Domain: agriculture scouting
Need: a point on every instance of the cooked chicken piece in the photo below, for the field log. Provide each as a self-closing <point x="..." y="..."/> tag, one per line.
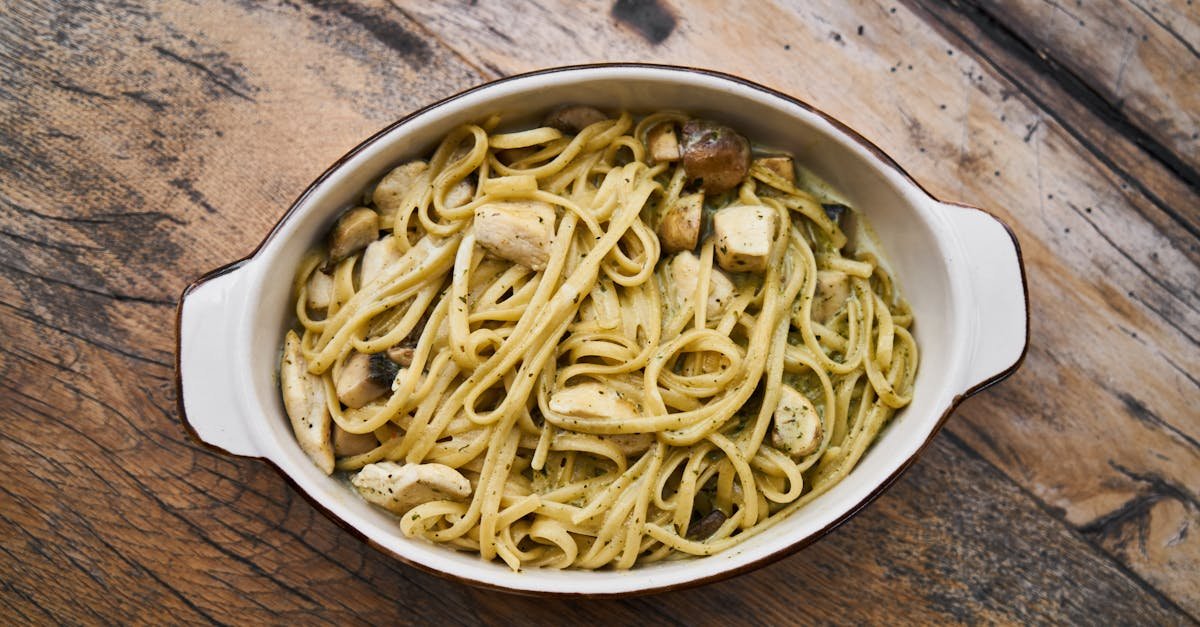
<point x="797" y="428"/>
<point x="304" y="400"/>
<point x="379" y="255"/>
<point x="462" y="193"/>
<point x="392" y="189"/>
<point x="714" y="155"/>
<point x="346" y="444"/>
<point x="833" y="290"/>
<point x="399" y="488"/>
<point x="780" y="165"/>
<point x="663" y="143"/>
<point x="365" y="378"/>
<point x="680" y="226"/>
<point x="574" y="118"/>
<point x="685" y="274"/>
<point x="744" y="237"/>
<point x="353" y="232"/>
<point x="320" y="292"/>
<point x="591" y="400"/>
<point x="521" y="231"/>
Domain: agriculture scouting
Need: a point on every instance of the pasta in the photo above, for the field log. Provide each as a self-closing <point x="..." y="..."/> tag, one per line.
<point x="600" y="342"/>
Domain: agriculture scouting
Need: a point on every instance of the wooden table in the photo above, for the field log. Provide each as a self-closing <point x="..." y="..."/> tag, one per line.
<point x="142" y="144"/>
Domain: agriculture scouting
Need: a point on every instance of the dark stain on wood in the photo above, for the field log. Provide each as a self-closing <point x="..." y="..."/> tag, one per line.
<point x="649" y="18"/>
<point x="76" y="89"/>
<point x="414" y="50"/>
<point x="1138" y="410"/>
<point x="1131" y="521"/>
<point x="187" y="186"/>
<point x="156" y="105"/>
<point x="222" y="76"/>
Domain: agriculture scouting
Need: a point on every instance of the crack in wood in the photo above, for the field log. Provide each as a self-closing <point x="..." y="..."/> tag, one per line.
<point x="1166" y="27"/>
<point x="1173" y="290"/>
<point x="120" y="298"/>
<point x="98" y="344"/>
<point x="1138" y="410"/>
<point x="212" y="76"/>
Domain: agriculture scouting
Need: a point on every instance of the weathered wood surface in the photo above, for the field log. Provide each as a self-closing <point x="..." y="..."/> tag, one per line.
<point x="1140" y="57"/>
<point x="143" y="144"/>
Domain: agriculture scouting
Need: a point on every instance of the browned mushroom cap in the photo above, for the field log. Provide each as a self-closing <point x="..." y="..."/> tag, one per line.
<point x="707" y="525"/>
<point x="714" y="155"/>
<point x="574" y="118"/>
<point x="353" y="232"/>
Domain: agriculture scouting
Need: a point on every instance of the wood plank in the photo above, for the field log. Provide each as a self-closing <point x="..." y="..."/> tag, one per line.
<point x="1133" y="156"/>
<point x="144" y="145"/>
<point x="1140" y="57"/>
<point x="134" y="523"/>
<point x="1112" y="275"/>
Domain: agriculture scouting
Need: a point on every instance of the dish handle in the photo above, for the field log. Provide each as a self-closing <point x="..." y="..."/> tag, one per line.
<point x="998" y="297"/>
<point x="209" y="398"/>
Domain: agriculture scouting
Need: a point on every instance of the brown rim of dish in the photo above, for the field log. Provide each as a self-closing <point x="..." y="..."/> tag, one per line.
<point x="759" y="563"/>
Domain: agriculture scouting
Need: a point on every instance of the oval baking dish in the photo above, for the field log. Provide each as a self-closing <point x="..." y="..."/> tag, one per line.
<point x="959" y="267"/>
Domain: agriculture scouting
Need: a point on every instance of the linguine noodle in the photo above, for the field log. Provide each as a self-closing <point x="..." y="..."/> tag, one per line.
<point x="698" y="378"/>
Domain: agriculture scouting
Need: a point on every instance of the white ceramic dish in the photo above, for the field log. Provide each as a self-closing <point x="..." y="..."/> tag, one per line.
<point x="959" y="267"/>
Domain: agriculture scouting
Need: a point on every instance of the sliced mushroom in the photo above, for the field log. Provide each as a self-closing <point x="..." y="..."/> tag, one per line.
<point x="679" y="228"/>
<point x="714" y="155"/>
<point x="707" y="525"/>
<point x="392" y="189"/>
<point x="521" y="231"/>
<point x="780" y="165"/>
<point x="353" y="232"/>
<point x="574" y="118"/>
<point x="304" y="400"/>
<point x="399" y="488"/>
<point x="591" y="400"/>
<point x="835" y="211"/>
<point x="320" y="292"/>
<point x="744" y="237"/>
<point x="833" y="290"/>
<point x="685" y="276"/>
<point x="378" y="255"/>
<point x="346" y="444"/>
<point x="797" y="429"/>
<point x="663" y="143"/>
<point x="401" y="355"/>
<point x="365" y="378"/>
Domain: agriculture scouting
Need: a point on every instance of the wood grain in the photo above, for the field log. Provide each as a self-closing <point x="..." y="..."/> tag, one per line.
<point x="1141" y="58"/>
<point x="142" y="144"/>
